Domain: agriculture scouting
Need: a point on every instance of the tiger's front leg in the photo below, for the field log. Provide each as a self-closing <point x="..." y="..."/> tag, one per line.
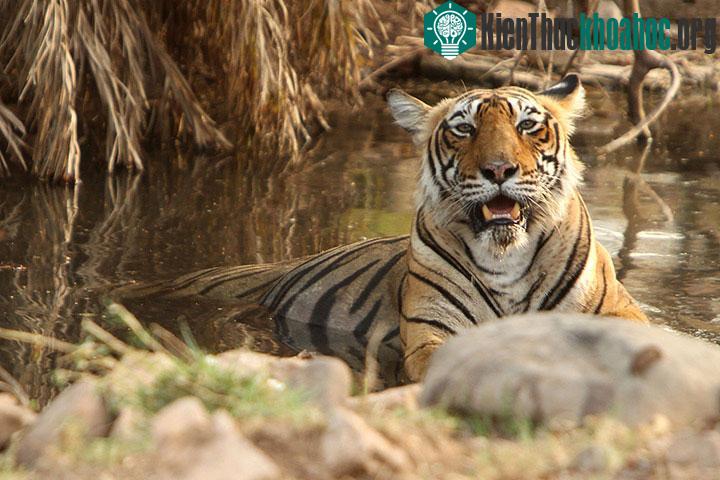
<point x="419" y="343"/>
<point x="427" y="319"/>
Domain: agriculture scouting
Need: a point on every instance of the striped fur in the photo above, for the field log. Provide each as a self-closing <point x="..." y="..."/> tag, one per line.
<point x="404" y="296"/>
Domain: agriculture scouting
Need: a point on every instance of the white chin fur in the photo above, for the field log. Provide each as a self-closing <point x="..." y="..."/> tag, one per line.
<point x="498" y="240"/>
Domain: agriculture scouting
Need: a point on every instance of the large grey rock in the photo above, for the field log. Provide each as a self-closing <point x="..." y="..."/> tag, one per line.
<point x="559" y="368"/>
<point x="191" y="444"/>
<point x="79" y="406"/>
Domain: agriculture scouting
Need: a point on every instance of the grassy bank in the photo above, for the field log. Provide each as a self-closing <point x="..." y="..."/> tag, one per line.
<point x="163" y="407"/>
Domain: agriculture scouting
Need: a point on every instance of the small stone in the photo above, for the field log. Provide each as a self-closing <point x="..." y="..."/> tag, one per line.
<point x="184" y="421"/>
<point x="350" y="446"/>
<point x="398" y="397"/>
<point x="13" y="417"/>
<point x="697" y="449"/>
<point x="204" y="447"/>
<point x="127" y="424"/>
<point x="594" y="458"/>
<point x="328" y="380"/>
<point x="136" y="369"/>
<point x="78" y="405"/>
<point x="644" y="359"/>
<point x="245" y="363"/>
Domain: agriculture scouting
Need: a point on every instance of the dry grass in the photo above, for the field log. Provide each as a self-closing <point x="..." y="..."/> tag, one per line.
<point x="80" y="65"/>
<point x="299" y="54"/>
<point x="12" y="129"/>
<point x="141" y="70"/>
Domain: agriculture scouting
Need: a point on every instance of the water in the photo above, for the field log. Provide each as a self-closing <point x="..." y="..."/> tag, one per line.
<point x="61" y="247"/>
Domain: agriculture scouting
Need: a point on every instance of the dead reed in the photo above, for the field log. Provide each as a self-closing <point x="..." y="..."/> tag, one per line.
<point x="153" y="70"/>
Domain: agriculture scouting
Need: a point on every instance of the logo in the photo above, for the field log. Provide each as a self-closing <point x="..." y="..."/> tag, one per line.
<point x="450" y="30"/>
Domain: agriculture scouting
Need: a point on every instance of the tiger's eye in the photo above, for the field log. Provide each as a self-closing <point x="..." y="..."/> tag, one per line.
<point x="527" y="124"/>
<point x="465" y="128"/>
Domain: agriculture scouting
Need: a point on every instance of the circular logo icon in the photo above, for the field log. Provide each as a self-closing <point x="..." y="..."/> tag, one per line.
<point x="450" y="30"/>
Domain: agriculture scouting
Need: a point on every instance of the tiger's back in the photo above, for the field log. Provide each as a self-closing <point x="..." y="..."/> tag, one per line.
<point x="341" y="302"/>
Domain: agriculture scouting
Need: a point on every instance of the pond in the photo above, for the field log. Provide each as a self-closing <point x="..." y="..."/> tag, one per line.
<point x="63" y="248"/>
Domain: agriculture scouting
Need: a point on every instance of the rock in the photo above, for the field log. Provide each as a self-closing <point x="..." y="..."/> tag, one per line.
<point x="350" y="446"/>
<point x="398" y="397"/>
<point x="328" y="380"/>
<point x="699" y="449"/>
<point x="557" y="368"/>
<point x="136" y="369"/>
<point x="127" y="424"/>
<point x="193" y="445"/>
<point x="246" y="363"/>
<point x="594" y="458"/>
<point x="79" y="405"/>
<point x="13" y="417"/>
<point x="184" y="421"/>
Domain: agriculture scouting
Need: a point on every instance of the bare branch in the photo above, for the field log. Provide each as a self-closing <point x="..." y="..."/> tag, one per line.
<point x="645" y="61"/>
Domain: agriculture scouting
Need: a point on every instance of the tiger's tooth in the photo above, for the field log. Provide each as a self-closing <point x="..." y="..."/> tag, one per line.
<point x="486" y="213"/>
<point x="515" y="212"/>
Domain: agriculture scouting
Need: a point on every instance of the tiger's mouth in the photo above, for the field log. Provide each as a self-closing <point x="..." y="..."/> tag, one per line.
<point x="500" y="211"/>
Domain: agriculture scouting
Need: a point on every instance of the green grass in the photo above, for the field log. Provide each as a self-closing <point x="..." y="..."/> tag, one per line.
<point x="433" y="417"/>
<point x="505" y="426"/>
<point x="8" y="470"/>
<point x="220" y="388"/>
<point x="104" y="451"/>
<point x="194" y="373"/>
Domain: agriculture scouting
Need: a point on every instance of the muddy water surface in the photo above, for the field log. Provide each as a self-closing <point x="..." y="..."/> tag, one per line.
<point x="61" y="248"/>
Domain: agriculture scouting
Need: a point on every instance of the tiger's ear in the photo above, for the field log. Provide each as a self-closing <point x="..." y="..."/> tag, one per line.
<point x="569" y="96"/>
<point x="408" y="112"/>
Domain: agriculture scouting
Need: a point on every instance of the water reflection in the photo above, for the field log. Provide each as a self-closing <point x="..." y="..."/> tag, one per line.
<point x="62" y="247"/>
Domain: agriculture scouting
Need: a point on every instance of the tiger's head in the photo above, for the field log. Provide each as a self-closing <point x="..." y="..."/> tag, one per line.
<point x="496" y="163"/>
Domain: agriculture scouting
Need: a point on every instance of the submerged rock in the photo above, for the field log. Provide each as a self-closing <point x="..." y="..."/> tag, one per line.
<point x="79" y="406"/>
<point x="558" y="368"/>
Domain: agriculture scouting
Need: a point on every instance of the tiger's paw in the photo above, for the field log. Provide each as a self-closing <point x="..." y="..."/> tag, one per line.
<point x="417" y="360"/>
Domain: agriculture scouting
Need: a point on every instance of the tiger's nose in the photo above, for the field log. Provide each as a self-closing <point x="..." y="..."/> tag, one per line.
<point x="498" y="172"/>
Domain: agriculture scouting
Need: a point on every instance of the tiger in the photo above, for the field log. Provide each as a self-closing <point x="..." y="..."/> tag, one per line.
<point x="500" y="229"/>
